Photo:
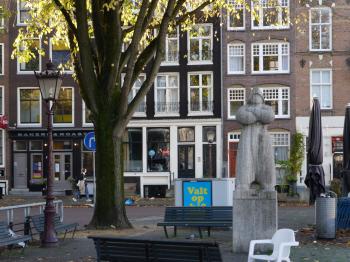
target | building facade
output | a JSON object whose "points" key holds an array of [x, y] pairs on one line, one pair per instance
{"points": [[175, 132], [258, 52], [322, 69]]}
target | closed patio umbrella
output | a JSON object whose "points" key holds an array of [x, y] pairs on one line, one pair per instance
{"points": [[346, 152], [315, 176]]}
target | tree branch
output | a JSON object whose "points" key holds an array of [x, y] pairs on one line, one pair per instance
{"points": [[66, 15]]}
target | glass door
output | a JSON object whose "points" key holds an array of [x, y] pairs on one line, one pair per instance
{"points": [[62, 169], [186, 161]]}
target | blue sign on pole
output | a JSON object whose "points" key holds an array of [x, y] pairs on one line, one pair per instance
{"points": [[89, 141], [197, 193]]}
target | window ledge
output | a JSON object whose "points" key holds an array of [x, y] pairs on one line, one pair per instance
{"points": [[63, 125], [199, 62], [236, 73], [235, 28], [25, 72], [29, 125], [166, 114], [270, 28], [200, 114], [270, 72], [169, 64], [139, 114]]}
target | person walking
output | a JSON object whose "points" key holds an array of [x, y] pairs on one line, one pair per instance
{"points": [[78, 181], [87, 193]]}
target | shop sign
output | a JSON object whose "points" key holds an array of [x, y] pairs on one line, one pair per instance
{"points": [[197, 193]]}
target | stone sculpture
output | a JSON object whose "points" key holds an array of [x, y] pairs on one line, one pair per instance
{"points": [[255, 162]]}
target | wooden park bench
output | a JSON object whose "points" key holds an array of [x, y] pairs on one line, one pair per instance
{"points": [[7, 240], [201, 217], [38, 222], [136, 250]]}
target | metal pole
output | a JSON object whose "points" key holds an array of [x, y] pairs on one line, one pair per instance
{"points": [[94, 179], [49, 238]]}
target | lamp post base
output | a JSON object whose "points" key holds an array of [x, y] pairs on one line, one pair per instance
{"points": [[48, 238]]}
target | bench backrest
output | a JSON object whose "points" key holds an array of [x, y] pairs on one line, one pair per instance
{"points": [[129, 250], [197, 214], [39, 221], [4, 231]]}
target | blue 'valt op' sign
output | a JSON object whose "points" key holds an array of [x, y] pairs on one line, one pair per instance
{"points": [[197, 193]]}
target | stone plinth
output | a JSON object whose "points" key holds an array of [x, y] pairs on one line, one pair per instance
{"points": [[254, 217]]}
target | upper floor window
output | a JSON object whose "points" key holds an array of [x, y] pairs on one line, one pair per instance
{"points": [[141, 109], [22, 12], [29, 106], [60, 55], [86, 116], [171, 55], [200, 92], [235, 99], [167, 93], [236, 58], [236, 19], [34, 64], [64, 107], [278, 99], [200, 43], [2, 17], [270, 14], [321, 86], [270, 58], [320, 33]]}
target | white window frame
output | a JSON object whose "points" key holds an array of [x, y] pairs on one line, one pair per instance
{"points": [[85, 124], [19, 124], [280, 99], [320, 24], [166, 62], [229, 116], [19, 23], [200, 61], [2, 90], [261, 56], [261, 17], [2, 20], [330, 84], [73, 110], [19, 72], [50, 52], [272, 133], [167, 87], [2, 60], [3, 148], [136, 113], [238, 6], [228, 58], [196, 113]]}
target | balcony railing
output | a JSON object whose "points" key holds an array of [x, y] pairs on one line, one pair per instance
{"points": [[167, 107], [204, 106]]}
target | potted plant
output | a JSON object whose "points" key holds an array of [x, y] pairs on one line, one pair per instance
{"points": [[293, 165]]}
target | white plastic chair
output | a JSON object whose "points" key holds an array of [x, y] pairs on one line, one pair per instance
{"points": [[282, 241]]}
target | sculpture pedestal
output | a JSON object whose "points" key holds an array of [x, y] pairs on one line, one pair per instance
{"points": [[254, 217]]}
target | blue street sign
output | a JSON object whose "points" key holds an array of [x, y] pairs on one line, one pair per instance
{"points": [[89, 141]]}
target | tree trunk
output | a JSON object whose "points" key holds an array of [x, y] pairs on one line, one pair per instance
{"points": [[106, 212]]}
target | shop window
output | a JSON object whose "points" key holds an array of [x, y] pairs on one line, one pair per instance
{"points": [[36, 145], [64, 107], [132, 150], [158, 149], [36, 169], [186, 134], [62, 145], [19, 145]]}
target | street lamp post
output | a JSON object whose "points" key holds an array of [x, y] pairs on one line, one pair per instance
{"points": [[50, 81], [210, 138]]}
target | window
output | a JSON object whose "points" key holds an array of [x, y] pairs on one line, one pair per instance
{"points": [[270, 58], [209, 151], [186, 134], [2, 102], [167, 93], [36, 168], [321, 86], [22, 12], [29, 107], [280, 145], [86, 116], [278, 99], [34, 64], [2, 59], [320, 33], [236, 98], [141, 109], [60, 55], [158, 149], [2, 17], [171, 55], [132, 150], [236, 19], [200, 92], [236, 60], [87, 160], [64, 107], [2, 147], [200, 43], [270, 14]]}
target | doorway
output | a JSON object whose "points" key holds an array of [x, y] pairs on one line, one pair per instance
{"points": [[62, 170], [337, 165], [186, 161], [20, 170]]}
